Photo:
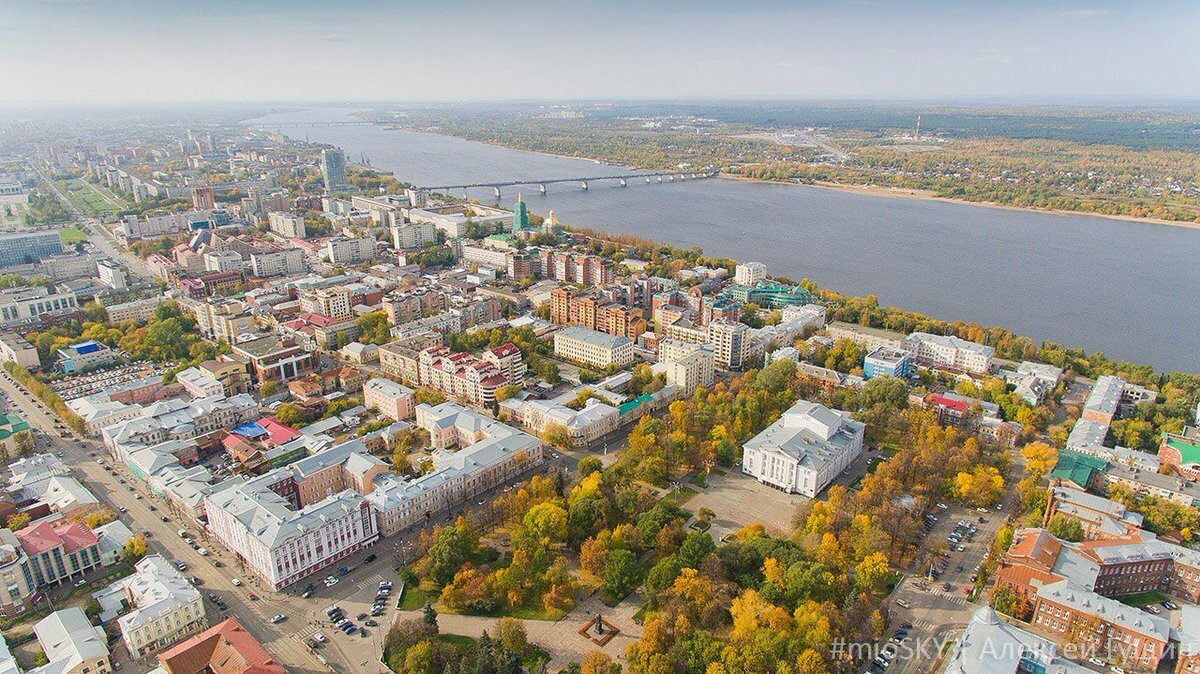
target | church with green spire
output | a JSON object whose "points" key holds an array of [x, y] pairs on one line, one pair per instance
{"points": [[520, 216]]}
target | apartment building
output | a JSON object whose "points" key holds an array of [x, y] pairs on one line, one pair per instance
{"points": [[465, 377], [288, 225], [331, 301], [58, 551], [686, 365], [888, 361], [401, 359], [348, 251], [28, 248], [412, 234], [749, 273], [281, 262], [198, 383], [948, 351]]}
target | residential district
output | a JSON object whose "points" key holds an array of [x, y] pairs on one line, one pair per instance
{"points": [[265, 409]]}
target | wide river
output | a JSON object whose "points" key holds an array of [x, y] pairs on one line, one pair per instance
{"points": [[1129, 289]]}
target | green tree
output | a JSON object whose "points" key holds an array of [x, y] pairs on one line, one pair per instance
{"points": [[620, 573], [451, 548], [1065, 528], [375, 328]]}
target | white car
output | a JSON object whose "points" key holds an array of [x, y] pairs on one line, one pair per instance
{"points": [[330, 581], [1116, 670], [320, 637], [942, 506], [278, 618], [236, 581]]}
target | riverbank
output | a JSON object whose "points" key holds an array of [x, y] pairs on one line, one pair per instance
{"points": [[871, 190], [927, 195]]}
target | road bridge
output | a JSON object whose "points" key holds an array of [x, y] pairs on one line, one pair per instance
{"points": [[622, 179]]}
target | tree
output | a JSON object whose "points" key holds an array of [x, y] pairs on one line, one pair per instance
{"points": [[982, 486], [429, 615], [511, 634], [547, 521], [268, 388], [450, 549], [98, 518], [589, 465], [598, 662], [704, 517], [696, 545], [375, 328], [135, 548], [290, 414], [620, 573], [1039, 458], [557, 435], [872, 572], [1066, 528], [18, 521]]}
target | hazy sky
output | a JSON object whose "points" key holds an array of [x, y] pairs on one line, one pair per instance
{"points": [[170, 50]]}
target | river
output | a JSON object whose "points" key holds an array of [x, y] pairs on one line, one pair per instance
{"points": [[1126, 288]]}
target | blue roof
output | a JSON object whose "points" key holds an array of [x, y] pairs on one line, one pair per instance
{"points": [[250, 430], [86, 347]]}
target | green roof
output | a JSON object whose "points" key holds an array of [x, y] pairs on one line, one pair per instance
{"points": [[1189, 452], [634, 404], [11, 424], [1076, 468]]}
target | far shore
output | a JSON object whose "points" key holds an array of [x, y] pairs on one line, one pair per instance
{"points": [[909, 193], [873, 190]]}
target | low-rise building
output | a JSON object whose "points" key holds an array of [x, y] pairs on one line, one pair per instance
{"points": [[887, 361], [282, 545], [804, 449], [137, 311], [274, 359], [198, 383], [489, 454], [391, 399], [224, 648], [591, 422], [16, 349], [85, 356], [593, 348], [72, 644], [989, 645], [166, 607]]}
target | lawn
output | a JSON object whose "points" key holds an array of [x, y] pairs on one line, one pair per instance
{"points": [[72, 235], [680, 495], [1142, 599], [87, 199], [412, 598]]}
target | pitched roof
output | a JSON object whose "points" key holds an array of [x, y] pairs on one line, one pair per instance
{"points": [[225, 648]]}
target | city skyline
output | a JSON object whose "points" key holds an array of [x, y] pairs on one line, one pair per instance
{"points": [[153, 51]]}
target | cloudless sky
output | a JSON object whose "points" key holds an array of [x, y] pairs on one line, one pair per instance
{"points": [[221, 50]]}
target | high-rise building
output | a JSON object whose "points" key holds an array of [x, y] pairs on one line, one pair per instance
{"points": [[202, 198], [749, 273], [520, 216], [333, 168]]}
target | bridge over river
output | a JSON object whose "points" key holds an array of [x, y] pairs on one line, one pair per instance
{"points": [[622, 179]]}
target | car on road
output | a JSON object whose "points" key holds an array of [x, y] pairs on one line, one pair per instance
{"points": [[252, 596], [1116, 670], [1096, 662], [369, 558], [203, 552], [236, 581], [278, 618], [123, 509], [941, 506], [1170, 605], [331, 581], [903, 604]]}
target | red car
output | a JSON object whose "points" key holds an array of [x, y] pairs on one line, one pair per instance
{"points": [[252, 596], [92, 454]]}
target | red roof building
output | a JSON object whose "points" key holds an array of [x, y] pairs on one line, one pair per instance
{"points": [[226, 648]]}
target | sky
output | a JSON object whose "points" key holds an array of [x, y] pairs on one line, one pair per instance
{"points": [[113, 51]]}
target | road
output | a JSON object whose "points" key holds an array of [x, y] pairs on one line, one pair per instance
{"points": [[284, 641]]}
